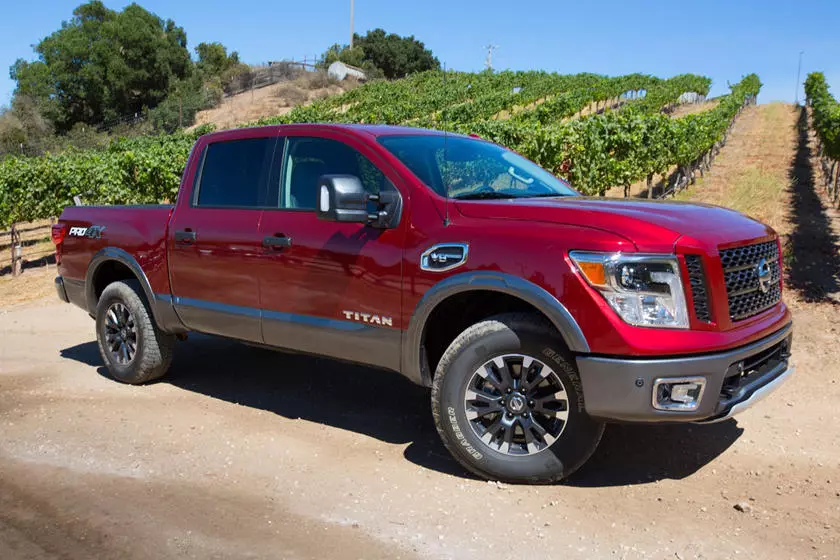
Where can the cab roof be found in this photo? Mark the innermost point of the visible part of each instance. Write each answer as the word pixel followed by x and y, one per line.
pixel 374 130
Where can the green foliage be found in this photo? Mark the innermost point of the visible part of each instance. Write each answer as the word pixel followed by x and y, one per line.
pixel 103 65
pixel 594 153
pixel 620 147
pixel 825 113
pixel 213 59
pixel 387 54
pixel 185 99
pixel 143 170
pixel 23 130
pixel 343 53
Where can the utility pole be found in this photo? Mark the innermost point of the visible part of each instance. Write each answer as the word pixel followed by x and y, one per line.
pixel 488 62
pixel 351 22
pixel 798 75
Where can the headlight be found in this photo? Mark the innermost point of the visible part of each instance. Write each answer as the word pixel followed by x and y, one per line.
pixel 645 290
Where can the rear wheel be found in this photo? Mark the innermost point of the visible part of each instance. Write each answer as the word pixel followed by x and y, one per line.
pixel 508 402
pixel 134 349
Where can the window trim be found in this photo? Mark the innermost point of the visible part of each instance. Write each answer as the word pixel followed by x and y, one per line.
pixel 287 138
pixel 194 204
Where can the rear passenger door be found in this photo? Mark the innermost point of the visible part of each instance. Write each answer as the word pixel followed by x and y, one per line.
pixel 330 288
pixel 214 244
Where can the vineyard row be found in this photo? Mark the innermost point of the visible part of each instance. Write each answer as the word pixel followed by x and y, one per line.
pixel 595 153
pixel 825 119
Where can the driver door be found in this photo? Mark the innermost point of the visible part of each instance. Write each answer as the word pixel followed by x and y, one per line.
pixel 330 288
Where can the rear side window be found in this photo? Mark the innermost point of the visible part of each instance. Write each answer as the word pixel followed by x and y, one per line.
pixel 235 173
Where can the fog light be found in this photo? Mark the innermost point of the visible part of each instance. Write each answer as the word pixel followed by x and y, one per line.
pixel 678 393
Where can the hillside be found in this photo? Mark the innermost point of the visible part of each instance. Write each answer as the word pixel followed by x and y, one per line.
pixel 271 101
pixel 531 112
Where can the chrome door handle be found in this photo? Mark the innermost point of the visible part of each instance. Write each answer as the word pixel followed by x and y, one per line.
pixel 277 241
pixel 185 236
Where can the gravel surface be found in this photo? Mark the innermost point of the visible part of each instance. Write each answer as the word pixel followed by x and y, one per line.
pixel 247 453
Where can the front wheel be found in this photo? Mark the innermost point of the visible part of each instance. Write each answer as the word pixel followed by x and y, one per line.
pixel 508 402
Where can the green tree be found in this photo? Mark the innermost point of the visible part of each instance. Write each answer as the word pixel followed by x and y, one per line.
pixel 104 65
pixel 396 56
pixel 384 54
pixel 213 59
pixel 343 53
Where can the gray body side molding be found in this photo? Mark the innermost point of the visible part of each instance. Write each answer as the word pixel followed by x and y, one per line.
pixel 162 311
pixel 413 364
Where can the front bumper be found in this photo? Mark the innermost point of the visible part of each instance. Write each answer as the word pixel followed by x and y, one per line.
pixel 622 389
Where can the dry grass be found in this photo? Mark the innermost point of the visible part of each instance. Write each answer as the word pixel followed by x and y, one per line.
pixel 291 95
pixel 38 254
pixel 274 100
pixel 692 108
pixel 33 285
pixel 751 174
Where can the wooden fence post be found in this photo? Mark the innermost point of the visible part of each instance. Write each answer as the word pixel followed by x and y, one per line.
pixel 16 251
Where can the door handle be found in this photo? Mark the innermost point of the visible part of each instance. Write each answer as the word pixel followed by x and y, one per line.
pixel 186 236
pixel 277 241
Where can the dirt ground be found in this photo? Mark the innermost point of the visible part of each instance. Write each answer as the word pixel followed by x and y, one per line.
pixel 246 453
pixel 268 101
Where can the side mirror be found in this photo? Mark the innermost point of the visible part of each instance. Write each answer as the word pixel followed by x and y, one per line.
pixel 342 198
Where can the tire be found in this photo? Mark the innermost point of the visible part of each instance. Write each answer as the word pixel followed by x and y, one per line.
pixel 572 435
pixel 152 347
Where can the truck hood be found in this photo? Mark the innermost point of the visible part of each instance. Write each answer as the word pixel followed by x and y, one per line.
pixel 651 225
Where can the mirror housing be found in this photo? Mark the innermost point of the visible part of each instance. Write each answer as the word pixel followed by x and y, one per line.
pixel 342 198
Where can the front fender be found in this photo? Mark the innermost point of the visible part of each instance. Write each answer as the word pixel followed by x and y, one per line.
pixel 412 360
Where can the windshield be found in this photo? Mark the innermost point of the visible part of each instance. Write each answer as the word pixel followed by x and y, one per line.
pixel 466 168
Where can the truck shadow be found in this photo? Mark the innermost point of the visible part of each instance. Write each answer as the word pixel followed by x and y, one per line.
pixel 387 407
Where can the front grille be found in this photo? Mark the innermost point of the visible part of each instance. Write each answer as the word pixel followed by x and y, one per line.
pixel 697 280
pixel 740 271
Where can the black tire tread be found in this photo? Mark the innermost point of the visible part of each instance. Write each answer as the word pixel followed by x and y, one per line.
pixel 517 322
pixel 158 347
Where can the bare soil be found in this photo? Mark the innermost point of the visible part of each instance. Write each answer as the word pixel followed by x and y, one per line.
pixel 268 101
pixel 247 453
pixel 692 108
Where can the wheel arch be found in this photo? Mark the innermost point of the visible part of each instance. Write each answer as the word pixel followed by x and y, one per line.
pixel 112 264
pixel 516 290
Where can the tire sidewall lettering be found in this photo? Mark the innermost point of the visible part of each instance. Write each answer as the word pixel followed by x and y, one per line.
pixel 573 376
pixel 459 435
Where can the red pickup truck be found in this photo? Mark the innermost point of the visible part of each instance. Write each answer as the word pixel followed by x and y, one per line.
pixel 534 314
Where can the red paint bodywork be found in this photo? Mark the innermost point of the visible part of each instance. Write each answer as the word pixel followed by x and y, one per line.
pixel 332 267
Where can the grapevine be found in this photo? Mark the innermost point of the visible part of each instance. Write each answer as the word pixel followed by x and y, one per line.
pixel 629 138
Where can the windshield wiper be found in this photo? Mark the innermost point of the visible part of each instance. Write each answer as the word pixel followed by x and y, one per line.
pixel 484 195
pixel 545 194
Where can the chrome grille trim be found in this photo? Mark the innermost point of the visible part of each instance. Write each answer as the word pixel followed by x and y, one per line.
pixel 742 285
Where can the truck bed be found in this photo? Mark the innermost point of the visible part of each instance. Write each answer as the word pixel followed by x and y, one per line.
pixel 139 230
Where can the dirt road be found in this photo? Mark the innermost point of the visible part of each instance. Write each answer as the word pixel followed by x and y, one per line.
pixel 245 453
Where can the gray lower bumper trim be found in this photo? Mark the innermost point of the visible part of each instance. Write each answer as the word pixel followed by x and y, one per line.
pixel 621 388
pixel 757 396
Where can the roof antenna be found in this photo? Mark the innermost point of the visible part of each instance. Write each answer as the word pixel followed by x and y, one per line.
pixel 446 221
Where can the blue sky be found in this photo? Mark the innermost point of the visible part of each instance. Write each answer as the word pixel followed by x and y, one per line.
pixel 720 39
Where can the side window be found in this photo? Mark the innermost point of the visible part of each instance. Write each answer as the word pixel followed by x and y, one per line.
pixel 308 158
pixel 235 173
